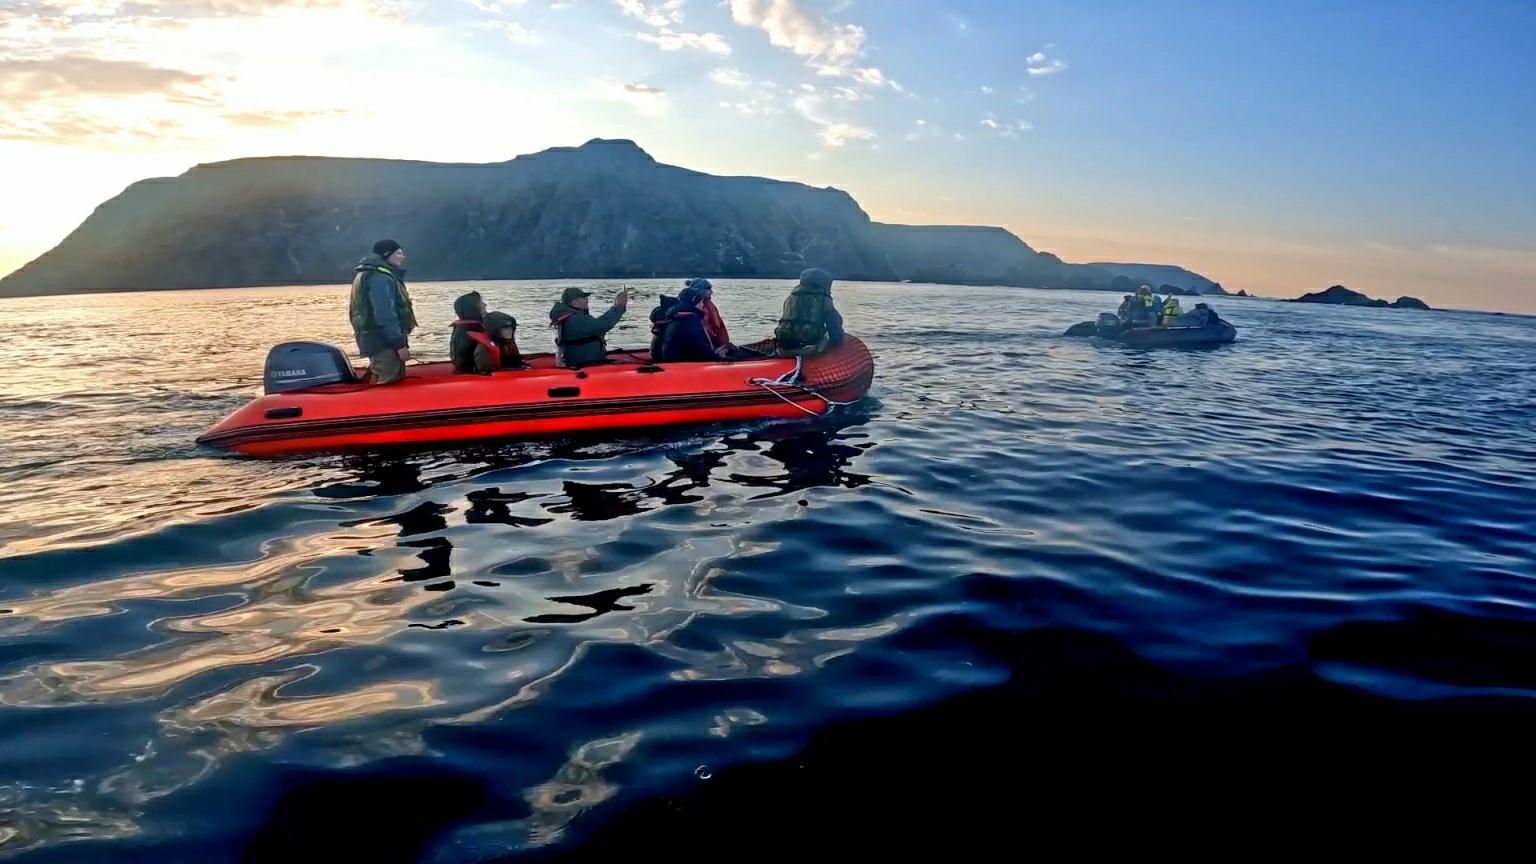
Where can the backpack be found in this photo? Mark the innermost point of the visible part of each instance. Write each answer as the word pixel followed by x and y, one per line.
pixel 804 319
pixel 659 317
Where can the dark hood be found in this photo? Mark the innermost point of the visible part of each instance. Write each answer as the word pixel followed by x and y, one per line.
pixel 815 281
pixel 560 310
pixel 494 321
pixel 467 307
pixel 664 308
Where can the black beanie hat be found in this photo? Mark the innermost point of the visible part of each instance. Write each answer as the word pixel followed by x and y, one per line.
pixel 385 248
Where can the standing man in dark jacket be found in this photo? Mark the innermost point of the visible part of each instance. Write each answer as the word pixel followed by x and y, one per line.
pixel 578 335
pixel 381 313
pixel 810 323
pixel 686 339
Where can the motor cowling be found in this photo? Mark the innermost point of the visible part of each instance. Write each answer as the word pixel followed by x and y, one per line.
pixel 301 365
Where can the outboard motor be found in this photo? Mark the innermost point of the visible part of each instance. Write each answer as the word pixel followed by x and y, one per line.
pixel 301 365
pixel 1108 324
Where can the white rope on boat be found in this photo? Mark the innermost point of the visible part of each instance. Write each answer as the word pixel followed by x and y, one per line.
pixel 792 379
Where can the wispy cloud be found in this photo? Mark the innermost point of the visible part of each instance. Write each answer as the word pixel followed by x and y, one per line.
pixel 661 18
pixel 832 132
pixel 727 76
pixel 496 7
pixel 987 91
pixel 512 30
pixel 831 49
pixel 644 99
pixel 70 75
pixel 662 14
pixel 1041 64
pixel 281 119
pixel 668 40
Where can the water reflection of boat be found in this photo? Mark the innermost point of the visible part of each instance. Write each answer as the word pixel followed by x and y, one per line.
pixel 320 621
pixel 435 406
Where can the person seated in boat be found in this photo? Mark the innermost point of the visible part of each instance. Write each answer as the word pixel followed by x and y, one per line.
pixel 659 315
pixel 1200 316
pixel 686 340
pixel 810 323
pixel 499 350
pixel 1142 310
pixel 462 341
pixel 578 334
pixel 714 324
pixel 1171 312
pixel 381 313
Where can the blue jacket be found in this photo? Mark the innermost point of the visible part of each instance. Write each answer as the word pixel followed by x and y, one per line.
pixel 685 340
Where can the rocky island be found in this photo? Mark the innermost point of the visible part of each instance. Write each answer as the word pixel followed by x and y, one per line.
pixel 605 209
pixel 1338 295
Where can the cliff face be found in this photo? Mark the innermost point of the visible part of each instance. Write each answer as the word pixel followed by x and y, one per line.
pixel 605 209
pixel 1158 275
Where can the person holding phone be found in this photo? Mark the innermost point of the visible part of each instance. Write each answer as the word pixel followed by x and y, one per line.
pixel 579 335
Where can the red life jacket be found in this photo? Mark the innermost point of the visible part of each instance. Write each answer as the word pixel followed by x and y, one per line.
pixel 485 339
pixel 714 325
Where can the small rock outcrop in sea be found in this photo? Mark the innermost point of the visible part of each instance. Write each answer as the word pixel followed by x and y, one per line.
pixel 1338 295
pixel 1242 293
pixel 605 209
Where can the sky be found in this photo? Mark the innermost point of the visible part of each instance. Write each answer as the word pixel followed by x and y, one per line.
pixel 1277 147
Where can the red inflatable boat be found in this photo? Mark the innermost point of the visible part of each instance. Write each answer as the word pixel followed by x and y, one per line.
pixel 316 401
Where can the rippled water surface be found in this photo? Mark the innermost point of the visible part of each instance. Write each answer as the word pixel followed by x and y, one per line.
pixel 504 649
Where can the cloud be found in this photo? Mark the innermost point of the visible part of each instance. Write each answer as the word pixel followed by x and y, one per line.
pixel 838 134
pixel 987 91
pixel 77 127
pixel 829 48
pixel 644 99
pixel 730 77
pixel 753 107
pixel 496 7
pixel 514 31
pixel 990 123
pixel 655 14
pixel 832 132
pixel 76 75
pixel 1040 64
pixel 660 17
pixel 790 26
pixel 280 119
pixel 962 26
pixel 1013 129
pixel 667 40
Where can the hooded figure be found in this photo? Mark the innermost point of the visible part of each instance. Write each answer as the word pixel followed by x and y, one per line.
pixel 499 350
pixel 579 335
pixel 714 325
pixel 470 308
pixel 810 323
pixel 685 340
pixel 380 311
pixel 664 307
